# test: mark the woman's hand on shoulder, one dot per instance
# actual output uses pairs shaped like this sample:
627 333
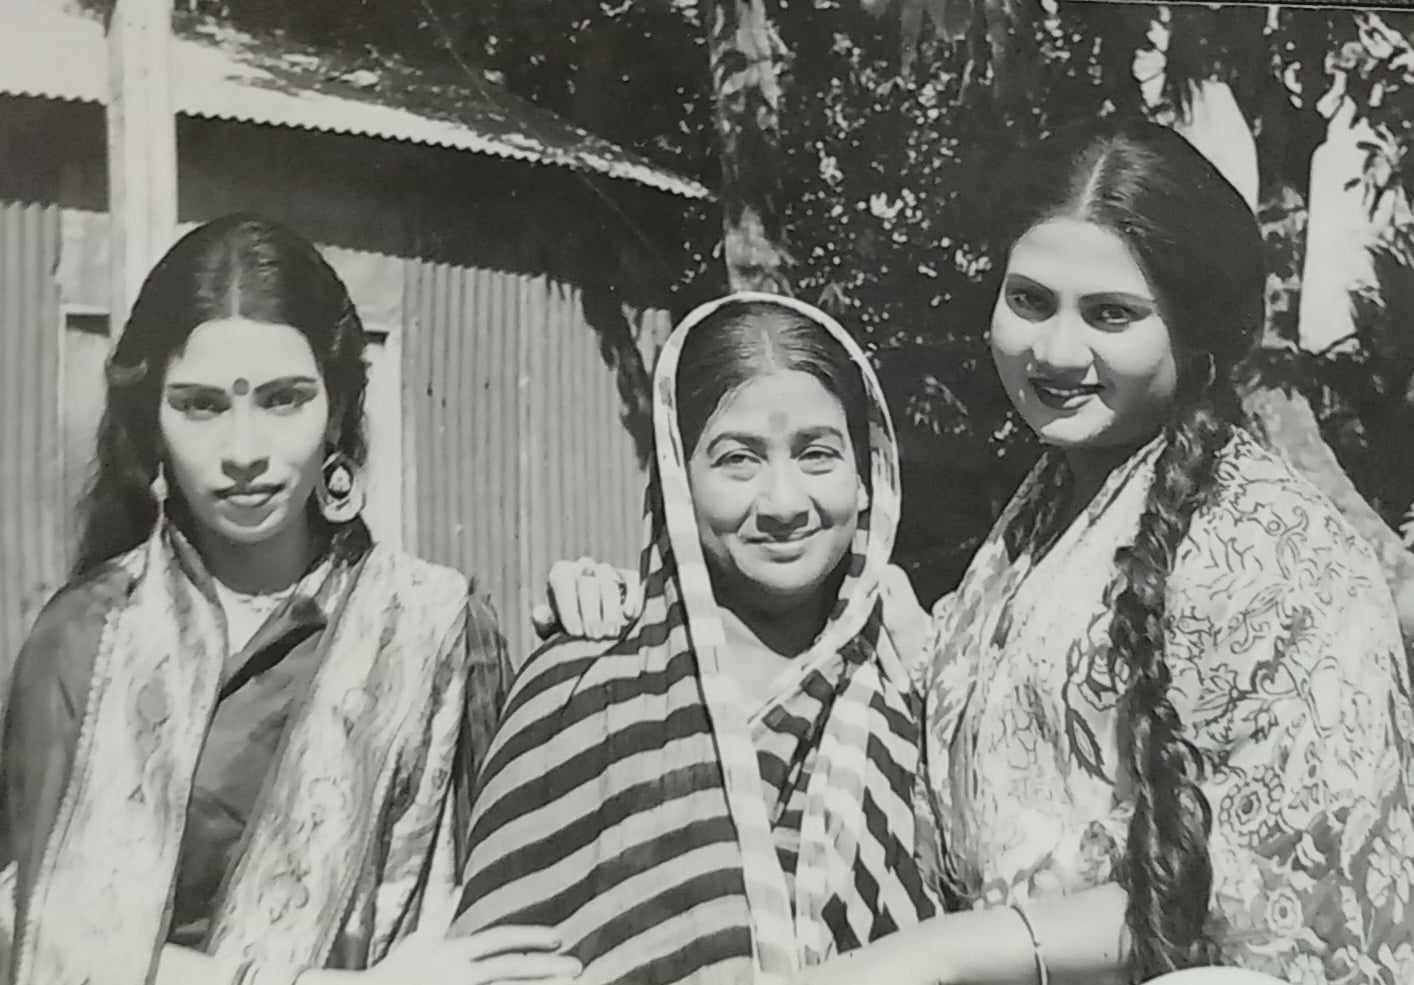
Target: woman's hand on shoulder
588 599
523 955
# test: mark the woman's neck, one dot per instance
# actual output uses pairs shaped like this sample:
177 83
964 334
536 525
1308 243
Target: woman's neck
268 566
1089 468
787 629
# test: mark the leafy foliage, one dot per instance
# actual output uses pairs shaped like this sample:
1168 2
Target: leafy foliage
891 127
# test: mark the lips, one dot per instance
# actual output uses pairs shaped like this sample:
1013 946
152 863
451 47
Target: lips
784 547
249 497
1063 396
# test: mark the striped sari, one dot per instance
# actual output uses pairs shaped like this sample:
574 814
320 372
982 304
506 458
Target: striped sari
670 831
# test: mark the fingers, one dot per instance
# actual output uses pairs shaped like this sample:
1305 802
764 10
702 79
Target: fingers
500 940
544 620
604 610
530 967
589 600
632 594
564 594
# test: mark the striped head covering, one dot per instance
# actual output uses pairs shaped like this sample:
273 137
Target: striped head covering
673 833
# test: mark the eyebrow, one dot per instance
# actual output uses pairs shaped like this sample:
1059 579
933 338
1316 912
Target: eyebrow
815 433
741 437
756 441
1097 297
266 387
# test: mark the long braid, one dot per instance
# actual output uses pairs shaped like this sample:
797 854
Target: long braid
1168 870
1200 250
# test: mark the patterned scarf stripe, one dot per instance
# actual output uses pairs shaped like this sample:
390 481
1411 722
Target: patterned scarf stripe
301 878
633 799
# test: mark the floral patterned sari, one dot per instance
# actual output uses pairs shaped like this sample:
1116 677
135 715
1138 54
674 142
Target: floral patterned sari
1288 674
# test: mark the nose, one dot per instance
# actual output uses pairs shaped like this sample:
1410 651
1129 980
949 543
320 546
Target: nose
245 460
783 506
1060 347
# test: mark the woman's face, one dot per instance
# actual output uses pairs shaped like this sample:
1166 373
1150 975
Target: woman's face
1079 339
775 488
243 419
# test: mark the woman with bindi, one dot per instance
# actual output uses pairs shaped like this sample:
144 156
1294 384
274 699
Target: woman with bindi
725 790
242 738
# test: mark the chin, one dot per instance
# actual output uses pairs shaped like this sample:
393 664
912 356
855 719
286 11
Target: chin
781 587
237 534
1063 432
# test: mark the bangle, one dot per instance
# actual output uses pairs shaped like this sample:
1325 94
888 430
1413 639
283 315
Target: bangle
1043 974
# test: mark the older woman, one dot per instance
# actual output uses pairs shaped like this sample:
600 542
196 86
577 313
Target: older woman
728 787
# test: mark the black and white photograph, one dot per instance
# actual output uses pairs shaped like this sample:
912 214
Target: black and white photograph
706 492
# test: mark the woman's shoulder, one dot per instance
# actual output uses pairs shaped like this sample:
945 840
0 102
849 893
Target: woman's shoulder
87 599
426 587
63 642
567 661
1259 486
1268 527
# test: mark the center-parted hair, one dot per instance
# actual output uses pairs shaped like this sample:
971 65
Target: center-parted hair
743 340
1200 248
237 266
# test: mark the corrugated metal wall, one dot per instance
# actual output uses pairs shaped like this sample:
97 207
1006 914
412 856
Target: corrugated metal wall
519 456
31 466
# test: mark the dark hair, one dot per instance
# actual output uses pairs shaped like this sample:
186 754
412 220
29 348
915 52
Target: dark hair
740 341
236 266
1200 247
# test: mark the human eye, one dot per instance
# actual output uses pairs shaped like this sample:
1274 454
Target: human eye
287 399
1114 315
198 405
820 458
1029 302
737 463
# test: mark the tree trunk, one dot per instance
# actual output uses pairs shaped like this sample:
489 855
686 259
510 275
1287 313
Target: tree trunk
746 54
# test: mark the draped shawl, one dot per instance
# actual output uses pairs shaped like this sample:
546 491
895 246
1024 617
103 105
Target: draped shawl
353 810
671 832
1289 677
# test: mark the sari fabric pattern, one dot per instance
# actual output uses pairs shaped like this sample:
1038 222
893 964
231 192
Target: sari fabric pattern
672 831
352 836
1289 676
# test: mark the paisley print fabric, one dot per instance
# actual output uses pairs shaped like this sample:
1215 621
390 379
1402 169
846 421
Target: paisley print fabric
671 831
1290 678
355 816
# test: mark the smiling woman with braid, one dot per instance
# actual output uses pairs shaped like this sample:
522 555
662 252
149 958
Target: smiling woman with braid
1169 717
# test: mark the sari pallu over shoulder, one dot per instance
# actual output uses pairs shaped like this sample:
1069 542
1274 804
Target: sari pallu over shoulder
1289 677
333 865
674 834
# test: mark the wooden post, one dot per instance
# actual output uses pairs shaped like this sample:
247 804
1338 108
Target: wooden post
142 147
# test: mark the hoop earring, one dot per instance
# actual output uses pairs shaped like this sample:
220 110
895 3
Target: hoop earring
339 490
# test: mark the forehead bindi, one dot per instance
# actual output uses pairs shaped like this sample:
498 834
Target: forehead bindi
778 406
242 354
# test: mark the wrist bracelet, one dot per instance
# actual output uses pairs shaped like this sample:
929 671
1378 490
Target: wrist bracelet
1043 974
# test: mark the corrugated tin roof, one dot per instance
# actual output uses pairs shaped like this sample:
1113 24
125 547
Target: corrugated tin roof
49 51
